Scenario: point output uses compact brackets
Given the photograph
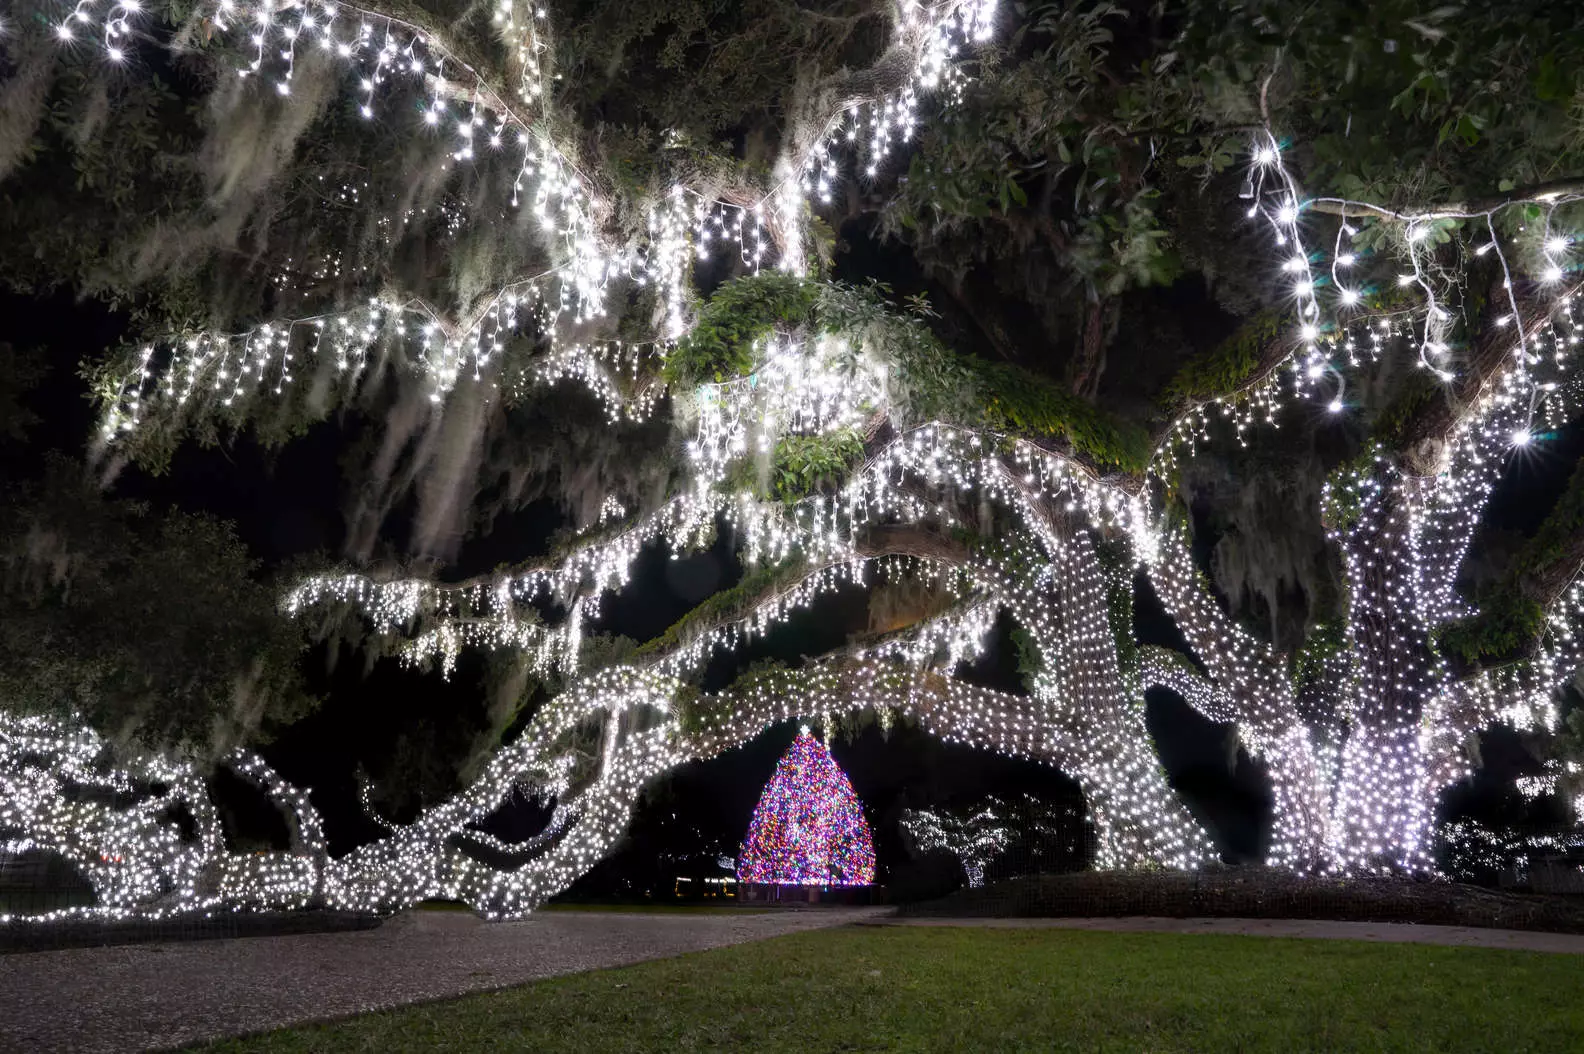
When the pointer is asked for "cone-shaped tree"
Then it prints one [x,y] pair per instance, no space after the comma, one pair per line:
[808,829]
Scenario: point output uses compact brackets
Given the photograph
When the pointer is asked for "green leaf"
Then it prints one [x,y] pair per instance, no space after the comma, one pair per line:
[1549,83]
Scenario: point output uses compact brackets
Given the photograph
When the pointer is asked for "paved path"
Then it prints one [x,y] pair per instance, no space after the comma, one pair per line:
[1392,932]
[141,996]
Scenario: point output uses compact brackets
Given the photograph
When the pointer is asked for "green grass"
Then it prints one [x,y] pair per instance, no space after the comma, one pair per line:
[914,989]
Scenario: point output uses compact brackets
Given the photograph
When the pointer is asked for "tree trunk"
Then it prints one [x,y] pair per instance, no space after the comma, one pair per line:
[1138,817]
[1385,799]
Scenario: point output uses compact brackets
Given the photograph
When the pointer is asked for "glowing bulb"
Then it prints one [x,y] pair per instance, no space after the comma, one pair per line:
[1552,274]
[1349,296]
[1556,245]
[1335,406]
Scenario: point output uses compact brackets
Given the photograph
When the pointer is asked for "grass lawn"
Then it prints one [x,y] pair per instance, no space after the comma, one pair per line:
[872,988]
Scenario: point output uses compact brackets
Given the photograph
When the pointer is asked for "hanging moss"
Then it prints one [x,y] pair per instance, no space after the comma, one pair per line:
[1226,368]
[742,312]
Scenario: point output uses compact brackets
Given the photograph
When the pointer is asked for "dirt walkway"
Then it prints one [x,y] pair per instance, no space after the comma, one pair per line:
[1391,932]
[136,997]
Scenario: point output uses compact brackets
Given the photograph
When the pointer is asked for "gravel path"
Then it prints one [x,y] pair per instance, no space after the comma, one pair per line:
[136,997]
[1391,932]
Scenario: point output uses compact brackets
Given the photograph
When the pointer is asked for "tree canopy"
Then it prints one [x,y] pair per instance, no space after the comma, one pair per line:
[997,312]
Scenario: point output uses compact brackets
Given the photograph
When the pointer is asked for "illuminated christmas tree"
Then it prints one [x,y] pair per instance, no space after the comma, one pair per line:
[808,829]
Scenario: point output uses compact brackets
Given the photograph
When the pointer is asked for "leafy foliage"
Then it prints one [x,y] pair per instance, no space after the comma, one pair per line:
[1225,369]
[154,627]
[934,382]
[721,344]
[803,464]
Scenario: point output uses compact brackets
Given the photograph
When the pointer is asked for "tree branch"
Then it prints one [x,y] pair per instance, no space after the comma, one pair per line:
[1550,192]
[1164,668]
[1513,618]
[1420,425]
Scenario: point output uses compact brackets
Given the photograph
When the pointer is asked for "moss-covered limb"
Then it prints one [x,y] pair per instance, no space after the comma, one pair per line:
[1116,561]
[1003,398]
[742,312]
[1417,426]
[1021,403]
[765,584]
[1325,643]
[1242,360]
[931,381]
[719,609]
[1512,615]
[1404,415]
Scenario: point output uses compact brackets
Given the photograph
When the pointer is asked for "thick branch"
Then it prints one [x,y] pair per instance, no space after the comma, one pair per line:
[1512,620]
[1164,668]
[1237,364]
[1549,192]
[1420,424]
[769,586]
[947,708]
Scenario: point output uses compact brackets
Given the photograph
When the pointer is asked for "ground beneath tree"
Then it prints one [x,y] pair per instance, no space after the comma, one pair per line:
[1305,929]
[1007,986]
[1258,893]
[161,995]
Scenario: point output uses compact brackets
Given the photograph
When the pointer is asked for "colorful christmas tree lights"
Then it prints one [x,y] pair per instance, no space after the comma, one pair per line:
[808,828]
